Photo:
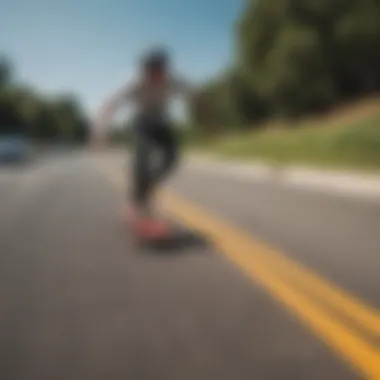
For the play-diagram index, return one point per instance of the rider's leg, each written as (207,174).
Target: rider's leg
(141,167)
(166,141)
(146,172)
(163,140)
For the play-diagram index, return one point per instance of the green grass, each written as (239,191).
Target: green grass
(352,146)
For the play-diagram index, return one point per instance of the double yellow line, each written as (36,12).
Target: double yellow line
(343,322)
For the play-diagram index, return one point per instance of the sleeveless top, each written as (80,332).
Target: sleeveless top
(152,101)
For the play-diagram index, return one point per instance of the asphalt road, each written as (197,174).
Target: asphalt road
(80,301)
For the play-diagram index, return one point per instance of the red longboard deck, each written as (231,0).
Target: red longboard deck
(149,229)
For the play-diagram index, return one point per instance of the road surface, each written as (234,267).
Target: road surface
(79,301)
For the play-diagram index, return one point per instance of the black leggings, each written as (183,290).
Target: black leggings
(148,171)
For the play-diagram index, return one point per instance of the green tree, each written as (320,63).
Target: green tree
(6,71)
(23,110)
(296,57)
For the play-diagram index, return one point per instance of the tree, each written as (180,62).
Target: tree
(23,110)
(6,71)
(10,119)
(295,57)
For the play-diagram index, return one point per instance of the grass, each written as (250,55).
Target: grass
(353,145)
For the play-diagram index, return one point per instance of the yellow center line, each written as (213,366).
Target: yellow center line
(286,281)
(365,315)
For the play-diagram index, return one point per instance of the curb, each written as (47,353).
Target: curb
(362,185)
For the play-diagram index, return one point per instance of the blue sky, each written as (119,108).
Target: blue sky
(90,47)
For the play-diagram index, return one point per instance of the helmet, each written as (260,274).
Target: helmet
(157,58)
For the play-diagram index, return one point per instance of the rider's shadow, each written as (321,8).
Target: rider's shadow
(180,241)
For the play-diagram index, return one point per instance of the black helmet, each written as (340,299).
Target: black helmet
(157,58)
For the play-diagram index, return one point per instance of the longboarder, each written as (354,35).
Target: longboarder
(152,131)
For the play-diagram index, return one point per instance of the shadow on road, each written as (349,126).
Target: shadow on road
(182,241)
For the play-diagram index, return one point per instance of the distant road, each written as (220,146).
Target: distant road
(79,301)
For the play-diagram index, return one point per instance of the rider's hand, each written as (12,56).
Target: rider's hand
(201,105)
(97,142)
(201,102)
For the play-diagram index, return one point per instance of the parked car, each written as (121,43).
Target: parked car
(15,149)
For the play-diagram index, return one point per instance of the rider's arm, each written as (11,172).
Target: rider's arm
(183,87)
(191,92)
(111,106)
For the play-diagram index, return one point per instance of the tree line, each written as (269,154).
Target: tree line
(25,111)
(296,57)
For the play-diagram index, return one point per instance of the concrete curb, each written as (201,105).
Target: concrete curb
(355,184)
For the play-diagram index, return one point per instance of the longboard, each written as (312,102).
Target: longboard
(149,230)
